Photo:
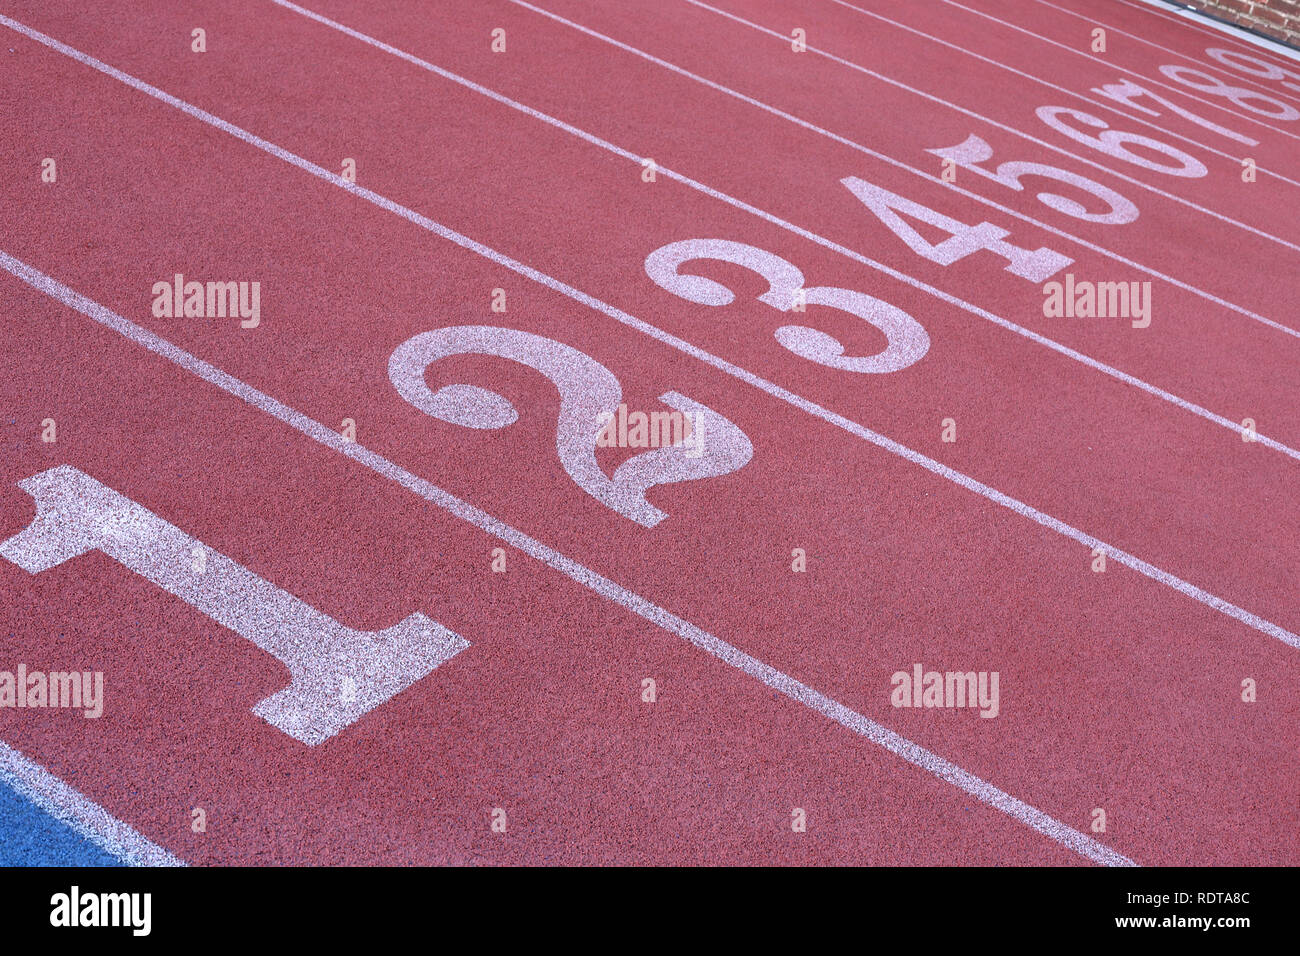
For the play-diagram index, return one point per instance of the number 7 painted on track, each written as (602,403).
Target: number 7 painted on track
(337,674)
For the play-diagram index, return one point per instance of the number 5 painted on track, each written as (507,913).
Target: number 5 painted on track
(337,674)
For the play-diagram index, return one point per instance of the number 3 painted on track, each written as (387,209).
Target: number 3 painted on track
(908,341)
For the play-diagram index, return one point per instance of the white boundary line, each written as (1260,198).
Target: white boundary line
(1096,365)
(801,693)
(797,401)
(898,164)
(994,123)
(76,810)
(1100,104)
(1175,88)
(1229,31)
(1208,65)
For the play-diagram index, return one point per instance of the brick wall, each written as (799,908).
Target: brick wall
(1276,19)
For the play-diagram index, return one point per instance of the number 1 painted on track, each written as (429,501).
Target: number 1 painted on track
(337,674)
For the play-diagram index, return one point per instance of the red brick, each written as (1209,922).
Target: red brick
(1276,19)
(1276,33)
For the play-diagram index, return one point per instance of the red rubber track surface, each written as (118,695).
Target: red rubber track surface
(1118,691)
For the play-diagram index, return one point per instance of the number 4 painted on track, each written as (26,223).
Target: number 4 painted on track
(337,674)
(1036,265)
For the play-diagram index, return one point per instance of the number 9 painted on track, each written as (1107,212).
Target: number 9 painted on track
(1269,71)
(908,341)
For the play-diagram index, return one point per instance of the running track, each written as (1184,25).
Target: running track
(518,694)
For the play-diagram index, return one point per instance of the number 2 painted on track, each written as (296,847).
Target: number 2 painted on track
(589,393)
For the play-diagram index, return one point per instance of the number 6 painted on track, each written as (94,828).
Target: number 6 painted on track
(337,674)
(908,341)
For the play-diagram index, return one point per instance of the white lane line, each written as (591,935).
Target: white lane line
(591,138)
(1209,26)
(1002,126)
(79,812)
(1184,90)
(1100,104)
(732,656)
(928,177)
(681,345)
(1207,65)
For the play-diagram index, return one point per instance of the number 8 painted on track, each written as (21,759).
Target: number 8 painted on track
(908,341)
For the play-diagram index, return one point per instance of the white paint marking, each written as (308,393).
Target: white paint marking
(1204,24)
(589,398)
(76,514)
(718,648)
(1002,126)
(797,401)
(1176,88)
(79,812)
(1223,422)
(1101,104)
(928,177)
(1207,65)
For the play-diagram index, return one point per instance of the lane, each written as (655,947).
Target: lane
(1070,134)
(1004,181)
(1087,437)
(1112,98)
(1206,262)
(1110,489)
(46,822)
(1071,753)
(1059,32)
(541,717)
(1212,27)
(1189,46)
(1104,89)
